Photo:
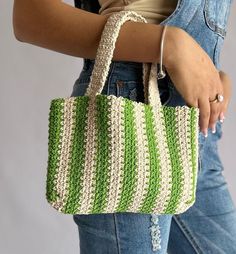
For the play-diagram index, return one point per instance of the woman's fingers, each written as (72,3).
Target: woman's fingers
(227,88)
(215,111)
(218,110)
(204,116)
(221,117)
(215,107)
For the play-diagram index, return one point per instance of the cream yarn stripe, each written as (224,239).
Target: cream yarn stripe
(65,151)
(165,162)
(195,127)
(107,44)
(87,194)
(143,163)
(100,72)
(165,167)
(184,131)
(116,157)
(194,164)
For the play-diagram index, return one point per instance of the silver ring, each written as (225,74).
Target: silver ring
(219,98)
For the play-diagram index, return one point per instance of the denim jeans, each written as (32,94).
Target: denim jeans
(208,227)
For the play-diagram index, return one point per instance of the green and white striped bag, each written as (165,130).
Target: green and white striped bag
(111,154)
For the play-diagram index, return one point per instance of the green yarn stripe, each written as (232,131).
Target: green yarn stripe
(130,158)
(66,190)
(101,178)
(54,140)
(77,156)
(109,155)
(153,187)
(173,144)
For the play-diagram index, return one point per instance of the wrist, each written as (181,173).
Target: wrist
(173,37)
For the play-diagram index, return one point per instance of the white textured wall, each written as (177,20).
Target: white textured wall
(30,77)
(227,147)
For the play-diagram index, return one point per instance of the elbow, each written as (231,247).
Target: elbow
(23,19)
(17,23)
(18,33)
(30,18)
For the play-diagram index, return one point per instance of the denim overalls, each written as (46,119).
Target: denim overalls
(209,226)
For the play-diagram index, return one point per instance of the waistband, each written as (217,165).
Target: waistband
(90,62)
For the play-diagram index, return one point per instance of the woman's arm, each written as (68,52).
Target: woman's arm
(58,26)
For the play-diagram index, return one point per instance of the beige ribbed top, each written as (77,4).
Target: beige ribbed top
(154,11)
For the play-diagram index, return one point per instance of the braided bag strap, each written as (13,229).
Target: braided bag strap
(105,54)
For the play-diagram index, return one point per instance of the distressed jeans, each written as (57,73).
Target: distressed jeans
(208,227)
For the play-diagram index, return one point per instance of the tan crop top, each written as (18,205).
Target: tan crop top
(154,11)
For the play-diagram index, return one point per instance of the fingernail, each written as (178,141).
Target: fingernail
(222,117)
(222,120)
(205,133)
(213,130)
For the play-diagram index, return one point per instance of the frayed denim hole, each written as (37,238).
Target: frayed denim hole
(155,232)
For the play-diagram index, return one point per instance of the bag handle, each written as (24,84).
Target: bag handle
(104,58)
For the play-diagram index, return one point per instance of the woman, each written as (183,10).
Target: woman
(195,34)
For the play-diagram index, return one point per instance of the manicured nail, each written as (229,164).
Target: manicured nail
(213,130)
(222,117)
(205,133)
(222,120)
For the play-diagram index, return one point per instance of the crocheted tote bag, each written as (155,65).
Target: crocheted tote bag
(109,154)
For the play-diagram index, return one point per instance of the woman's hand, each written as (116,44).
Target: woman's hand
(221,108)
(227,87)
(193,74)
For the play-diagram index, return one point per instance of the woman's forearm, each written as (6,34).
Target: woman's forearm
(58,26)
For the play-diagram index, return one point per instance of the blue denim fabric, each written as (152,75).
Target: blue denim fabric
(209,226)
(204,20)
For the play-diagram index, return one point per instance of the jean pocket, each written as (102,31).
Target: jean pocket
(131,89)
(134,90)
(216,15)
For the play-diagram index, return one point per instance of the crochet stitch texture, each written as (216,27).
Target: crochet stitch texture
(111,154)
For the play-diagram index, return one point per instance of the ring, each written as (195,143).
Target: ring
(219,98)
